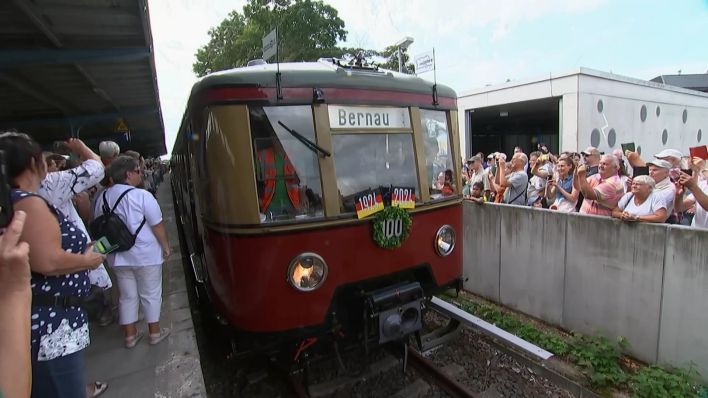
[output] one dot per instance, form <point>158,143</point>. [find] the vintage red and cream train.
<point>318,201</point>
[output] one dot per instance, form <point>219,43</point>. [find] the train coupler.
<point>397,310</point>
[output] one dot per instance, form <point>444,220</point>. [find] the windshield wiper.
<point>311,145</point>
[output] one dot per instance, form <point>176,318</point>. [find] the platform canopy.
<point>81,68</point>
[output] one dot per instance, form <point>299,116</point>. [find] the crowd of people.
<point>669,188</point>
<point>54,280</point>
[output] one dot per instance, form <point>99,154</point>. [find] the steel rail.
<point>436,376</point>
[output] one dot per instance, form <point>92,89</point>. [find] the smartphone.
<point>688,171</point>
<point>6,211</point>
<point>103,246</point>
<point>629,147</point>
<point>699,152</point>
<point>640,171</point>
<point>60,147</point>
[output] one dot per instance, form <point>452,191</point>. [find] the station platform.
<point>169,369</point>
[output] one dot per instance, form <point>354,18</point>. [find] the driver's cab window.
<point>366,161</point>
<point>287,169</point>
<point>438,154</point>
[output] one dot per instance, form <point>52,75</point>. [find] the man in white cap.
<point>672,156</point>
<point>659,170</point>
<point>591,156</point>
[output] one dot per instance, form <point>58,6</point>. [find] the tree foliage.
<point>307,30</point>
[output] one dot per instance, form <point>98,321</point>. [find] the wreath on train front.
<point>392,227</point>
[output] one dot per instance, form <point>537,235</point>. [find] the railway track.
<point>445,380</point>
<point>473,365</point>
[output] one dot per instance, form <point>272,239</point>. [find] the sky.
<point>476,42</point>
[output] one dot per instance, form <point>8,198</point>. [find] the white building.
<point>571,111</point>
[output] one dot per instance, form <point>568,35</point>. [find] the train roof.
<point>320,74</point>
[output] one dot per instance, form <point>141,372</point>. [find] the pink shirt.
<point>608,192</point>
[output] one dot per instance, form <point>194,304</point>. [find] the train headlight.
<point>445,240</point>
<point>307,272</point>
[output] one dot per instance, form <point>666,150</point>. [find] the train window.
<point>438,153</point>
<point>287,168</point>
<point>372,161</point>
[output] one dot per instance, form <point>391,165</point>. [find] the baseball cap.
<point>492,155</point>
<point>664,164</point>
<point>674,153</point>
<point>474,158</point>
<point>591,150</point>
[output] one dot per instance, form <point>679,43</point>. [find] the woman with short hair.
<point>60,257</point>
<point>138,270</point>
<point>641,203</point>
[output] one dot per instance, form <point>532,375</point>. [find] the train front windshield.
<point>373,149</point>
<point>287,169</point>
<point>372,161</point>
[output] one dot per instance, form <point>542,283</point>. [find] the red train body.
<point>244,253</point>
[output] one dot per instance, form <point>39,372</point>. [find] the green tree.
<point>307,30</point>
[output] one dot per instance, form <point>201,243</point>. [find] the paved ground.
<point>169,369</point>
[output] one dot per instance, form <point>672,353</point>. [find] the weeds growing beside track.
<point>600,359</point>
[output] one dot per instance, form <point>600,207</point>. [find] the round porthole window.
<point>595,138</point>
<point>685,116</point>
<point>611,138</point>
<point>664,137</point>
<point>600,106</point>
<point>643,113</point>
<point>658,111</point>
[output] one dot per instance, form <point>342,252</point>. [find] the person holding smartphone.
<point>60,259</point>
<point>698,186</point>
<point>560,192</point>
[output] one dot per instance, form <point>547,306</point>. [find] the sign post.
<point>270,48</point>
<point>424,62</point>
<point>270,44</point>
<point>122,128</point>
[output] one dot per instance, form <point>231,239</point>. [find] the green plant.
<point>599,358</point>
<point>526,331</point>
<point>654,381</point>
<point>596,355</point>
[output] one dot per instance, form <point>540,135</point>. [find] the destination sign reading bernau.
<point>368,117</point>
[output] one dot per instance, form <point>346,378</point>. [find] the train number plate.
<point>368,202</point>
<point>403,197</point>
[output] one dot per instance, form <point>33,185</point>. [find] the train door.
<point>195,243</point>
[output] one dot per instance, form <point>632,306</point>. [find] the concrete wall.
<point>646,282</point>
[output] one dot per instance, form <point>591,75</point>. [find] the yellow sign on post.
<point>121,127</point>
